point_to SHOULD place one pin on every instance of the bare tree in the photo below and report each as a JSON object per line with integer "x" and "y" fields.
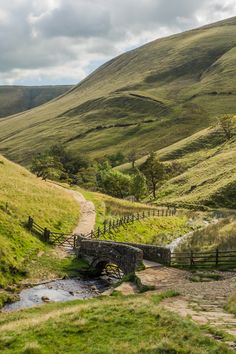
{"x": 132, "y": 156}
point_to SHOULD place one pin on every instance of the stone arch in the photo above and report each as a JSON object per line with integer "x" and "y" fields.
{"x": 99, "y": 264}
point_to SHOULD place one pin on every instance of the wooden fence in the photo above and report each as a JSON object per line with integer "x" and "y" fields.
{"x": 112, "y": 225}
{"x": 211, "y": 259}
{"x": 58, "y": 238}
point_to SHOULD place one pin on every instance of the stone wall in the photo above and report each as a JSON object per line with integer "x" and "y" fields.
{"x": 99, "y": 253}
{"x": 127, "y": 256}
{"x": 154, "y": 253}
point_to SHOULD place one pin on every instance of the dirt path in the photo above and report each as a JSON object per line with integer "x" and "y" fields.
{"x": 87, "y": 212}
{"x": 203, "y": 301}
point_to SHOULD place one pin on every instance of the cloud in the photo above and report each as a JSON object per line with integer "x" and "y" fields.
{"x": 61, "y": 41}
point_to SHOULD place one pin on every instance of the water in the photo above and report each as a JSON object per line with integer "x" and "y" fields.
{"x": 58, "y": 290}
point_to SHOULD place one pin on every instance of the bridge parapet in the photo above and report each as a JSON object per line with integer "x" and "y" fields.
{"x": 154, "y": 253}
{"x": 127, "y": 256}
{"x": 100, "y": 253}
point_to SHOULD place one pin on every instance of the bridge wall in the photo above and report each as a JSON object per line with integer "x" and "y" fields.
{"x": 154, "y": 253}
{"x": 99, "y": 253}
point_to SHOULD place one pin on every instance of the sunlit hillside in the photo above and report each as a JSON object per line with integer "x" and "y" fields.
{"x": 149, "y": 98}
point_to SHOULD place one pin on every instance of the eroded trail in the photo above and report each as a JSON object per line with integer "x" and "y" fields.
{"x": 87, "y": 218}
{"x": 87, "y": 214}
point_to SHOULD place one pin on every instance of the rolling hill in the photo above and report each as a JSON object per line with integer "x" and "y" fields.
{"x": 22, "y": 194}
{"x": 205, "y": 170}
{"x": 150, "y": 97}
{"x": 15, "y": 99}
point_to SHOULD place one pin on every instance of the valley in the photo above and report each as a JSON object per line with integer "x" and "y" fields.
{"x": 118, "y": 204}
{"x": 15, "y": 99}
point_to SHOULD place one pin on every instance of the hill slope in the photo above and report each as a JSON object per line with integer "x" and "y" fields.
{"x": 15, "y": 99}
{"x": 205, "y": 170}
{"x": 21, "y": 195}
{"x": 149, "y": 98}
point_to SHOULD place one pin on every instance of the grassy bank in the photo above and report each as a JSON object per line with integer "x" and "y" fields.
{"x": 159, "y": 230}
{"x": 21, "y": 195}
{"x": 231, "y": 305}
{"x": 108, "y": 207}
{"x": 220, "y": 235}
{"x": 134, "y": 324}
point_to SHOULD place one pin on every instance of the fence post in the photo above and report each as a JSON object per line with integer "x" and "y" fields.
{"x": 217, "y": 257}
{"x": 158, "y": 212}
{"x": 143, "y": 214}
{"x": 46, "y": 235}
{"x": 191, "y": 259}
{"x": 74, "y": 241}
{"x": 30, "y": 223}
{"x": 98, "y": 231}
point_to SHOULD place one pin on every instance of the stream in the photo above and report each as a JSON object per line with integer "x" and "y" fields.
{"x": 58, "y": 290}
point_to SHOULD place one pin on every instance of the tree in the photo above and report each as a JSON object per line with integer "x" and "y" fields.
{"x": 154, "y": 172}
{"x": 86, "y": 177}
{"x": 226, "y": 124}
{"x": 138, "y": 185}
{"x": 132, "y": 156}
{"x": 113, "y": 182}
{"x": 46, "y": 166}
{"x": 116, "y": 159}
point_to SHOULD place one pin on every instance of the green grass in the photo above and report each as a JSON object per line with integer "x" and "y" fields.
{"x": 165, "y": 91}
{"x": 157, "y": 230}
{"x": 220, "y": 235}
{"x": 134, "y": 324}
{"x": 231, "y": 305}
{"x": 108, "y": 208}
{"x": 53, "y": 264}
{"x": 14, "y": 99}
{"x": 21, "y": 195}
{"x": 207, "y": 171}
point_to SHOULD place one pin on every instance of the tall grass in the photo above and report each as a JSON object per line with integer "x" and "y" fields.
{"x": 21, "y": 195}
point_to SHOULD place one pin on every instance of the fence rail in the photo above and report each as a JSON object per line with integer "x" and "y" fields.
{"x": 112, "y": 225}
{"x": 217, "y": 258}
{"x": 58, "y": 238}
{"x": 191, "y": 259}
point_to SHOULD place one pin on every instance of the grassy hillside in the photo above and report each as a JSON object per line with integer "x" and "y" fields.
{"x": 15, "y": 99}
{"x": 149, "y": 98}
{"x": 21, "y": 195}
{"x": 158, "y": 231}
{"x": 132, "y": 324}
{"x": 108, "y": 208}
{"x": 207, "y": 167}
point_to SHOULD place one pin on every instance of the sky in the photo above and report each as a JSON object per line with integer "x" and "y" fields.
{"x": 47, "y": 42}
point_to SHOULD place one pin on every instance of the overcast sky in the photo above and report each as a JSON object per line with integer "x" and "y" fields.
{"x": 62, "y": 41}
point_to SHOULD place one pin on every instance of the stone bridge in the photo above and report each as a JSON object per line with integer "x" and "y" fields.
{"x": 127, "y": 256}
